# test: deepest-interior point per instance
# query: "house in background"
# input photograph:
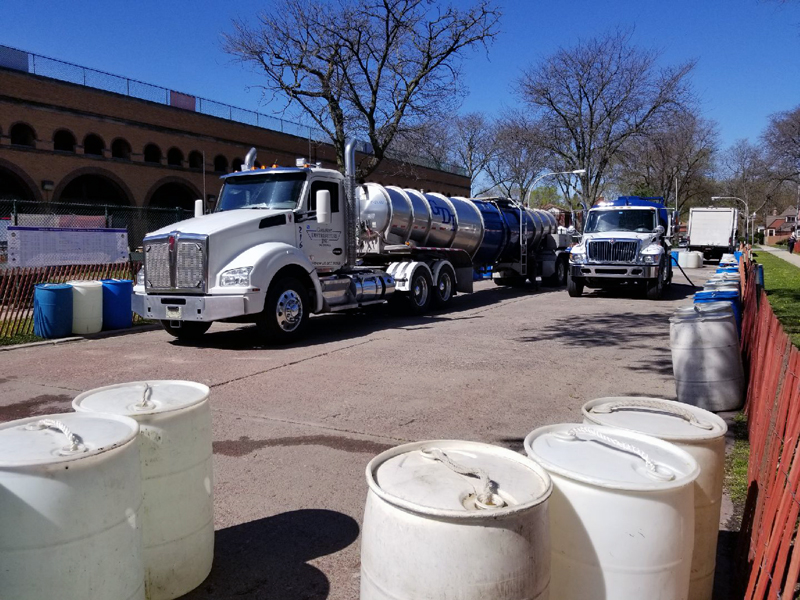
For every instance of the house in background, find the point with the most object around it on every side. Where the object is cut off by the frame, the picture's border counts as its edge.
(780, 226)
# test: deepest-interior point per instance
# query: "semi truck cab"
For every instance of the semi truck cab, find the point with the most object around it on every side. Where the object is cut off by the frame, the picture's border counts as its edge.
(625, 241)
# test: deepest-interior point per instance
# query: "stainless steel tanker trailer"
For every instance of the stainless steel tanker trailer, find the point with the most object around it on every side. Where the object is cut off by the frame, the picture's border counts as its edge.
(287, 242)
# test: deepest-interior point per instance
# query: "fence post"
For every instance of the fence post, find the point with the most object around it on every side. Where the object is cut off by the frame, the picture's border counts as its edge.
(105, 211)
(14, 212)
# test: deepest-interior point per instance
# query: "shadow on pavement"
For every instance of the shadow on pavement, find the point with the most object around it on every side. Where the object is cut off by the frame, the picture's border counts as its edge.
(337, 327)
(267, 559)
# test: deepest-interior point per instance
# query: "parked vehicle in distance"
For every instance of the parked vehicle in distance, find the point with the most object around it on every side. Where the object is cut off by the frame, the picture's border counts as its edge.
(624, 242)
(286, 242)
(713, 230)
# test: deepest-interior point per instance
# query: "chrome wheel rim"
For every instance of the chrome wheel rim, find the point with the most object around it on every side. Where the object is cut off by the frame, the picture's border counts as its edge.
(420, 291)
(289, 310)
(445, 286)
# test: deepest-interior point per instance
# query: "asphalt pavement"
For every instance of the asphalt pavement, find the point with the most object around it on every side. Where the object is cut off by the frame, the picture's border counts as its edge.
(295, 427)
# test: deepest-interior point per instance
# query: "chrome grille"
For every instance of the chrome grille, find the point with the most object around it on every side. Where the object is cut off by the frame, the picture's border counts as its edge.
(156, 265)
(181, 269)
(613, 252)
(189, 265)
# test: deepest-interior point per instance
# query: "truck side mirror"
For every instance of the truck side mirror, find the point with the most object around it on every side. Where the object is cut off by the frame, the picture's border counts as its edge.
(570, 230)
(660, 230)
(323, 207)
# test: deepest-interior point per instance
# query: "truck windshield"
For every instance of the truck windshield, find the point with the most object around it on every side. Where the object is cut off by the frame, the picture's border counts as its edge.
(641, 221)
(270, 190)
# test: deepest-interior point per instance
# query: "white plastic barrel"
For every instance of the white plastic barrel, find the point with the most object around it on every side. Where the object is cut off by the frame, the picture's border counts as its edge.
(695, 260)
(87, 306)
(684, 259)
(621, 513)
(70, 493)
(175, 444)
(706, 359)
(701, 434)
(454, 519)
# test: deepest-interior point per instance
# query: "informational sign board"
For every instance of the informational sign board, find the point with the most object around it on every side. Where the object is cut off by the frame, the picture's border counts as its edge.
(51, 246)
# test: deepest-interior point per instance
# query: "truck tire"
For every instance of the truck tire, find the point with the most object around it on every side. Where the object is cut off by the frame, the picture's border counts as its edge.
(574, 286)
(445, 287)
(559, 278)
(420, 291)
(285, 311)
(188, 331)
(655, 288)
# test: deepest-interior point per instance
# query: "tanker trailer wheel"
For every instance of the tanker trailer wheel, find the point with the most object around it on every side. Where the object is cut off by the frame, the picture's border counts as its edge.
(559, 278)
(420, 291)
(574, 286)
(445, 286)
(285, 311)
(188, 330)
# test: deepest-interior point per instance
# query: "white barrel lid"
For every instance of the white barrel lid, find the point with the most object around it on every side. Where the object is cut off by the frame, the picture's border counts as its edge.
(139, 398)
(60, 438)
(664, 419)
(703, 310)
(611, 458)
(87, 283)
(416, 477)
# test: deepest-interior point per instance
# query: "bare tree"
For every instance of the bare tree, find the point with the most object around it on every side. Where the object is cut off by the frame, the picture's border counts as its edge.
(782, 143)
(595, 97)
(682, 149)
(364, 67)
(518, 156)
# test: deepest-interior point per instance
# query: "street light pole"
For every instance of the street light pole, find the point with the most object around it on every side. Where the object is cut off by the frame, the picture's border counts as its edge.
(746, 210)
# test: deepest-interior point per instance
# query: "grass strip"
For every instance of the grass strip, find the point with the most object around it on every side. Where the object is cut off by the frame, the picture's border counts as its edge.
(736, 465)
(782, 284)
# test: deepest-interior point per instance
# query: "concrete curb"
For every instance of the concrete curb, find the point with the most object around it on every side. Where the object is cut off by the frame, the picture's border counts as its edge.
(83, 338)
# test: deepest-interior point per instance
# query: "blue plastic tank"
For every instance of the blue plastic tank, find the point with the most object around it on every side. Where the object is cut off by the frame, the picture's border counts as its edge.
(674, 255)
(117, 312)
(52, 310)
(727, 296)
(738, 256)
(728, 270)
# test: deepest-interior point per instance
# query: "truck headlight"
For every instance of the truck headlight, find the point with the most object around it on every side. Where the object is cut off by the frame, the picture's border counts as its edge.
(236, 277)
(650, 259)
(140, 276)
(577, 257)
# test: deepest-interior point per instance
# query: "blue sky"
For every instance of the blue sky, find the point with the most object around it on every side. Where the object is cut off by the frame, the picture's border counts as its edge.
(748, 51)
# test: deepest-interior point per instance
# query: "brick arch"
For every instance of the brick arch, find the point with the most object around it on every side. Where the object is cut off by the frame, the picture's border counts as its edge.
(93, 171)
(31, 127)
(58, 130)
(171, 179)
(24, 177)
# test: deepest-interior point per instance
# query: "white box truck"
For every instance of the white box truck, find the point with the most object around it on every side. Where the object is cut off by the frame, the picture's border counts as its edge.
(713, 230)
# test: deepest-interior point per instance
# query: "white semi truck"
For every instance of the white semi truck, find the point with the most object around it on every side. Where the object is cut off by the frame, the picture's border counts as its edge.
(287, 242)
(624, 242)
(712, 230)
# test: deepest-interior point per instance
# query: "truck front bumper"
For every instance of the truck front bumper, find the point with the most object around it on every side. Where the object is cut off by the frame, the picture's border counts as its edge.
(614, 271)
(188, 308)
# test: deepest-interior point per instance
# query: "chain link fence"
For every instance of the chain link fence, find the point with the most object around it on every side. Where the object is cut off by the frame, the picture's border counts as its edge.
(138, 221)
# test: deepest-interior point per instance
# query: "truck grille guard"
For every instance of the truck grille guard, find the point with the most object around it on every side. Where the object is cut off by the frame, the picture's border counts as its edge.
(612, 251)
(176, 263)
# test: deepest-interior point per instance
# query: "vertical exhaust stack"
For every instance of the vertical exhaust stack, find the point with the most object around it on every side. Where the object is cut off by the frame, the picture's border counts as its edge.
(350, 195)
(249, 160)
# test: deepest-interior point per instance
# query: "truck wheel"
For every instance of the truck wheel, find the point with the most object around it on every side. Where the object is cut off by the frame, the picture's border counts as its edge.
(445, 286)
(559, 278)
(574, 286)
(655, 288)
(285, 311)
(420, 291)
(189, 330)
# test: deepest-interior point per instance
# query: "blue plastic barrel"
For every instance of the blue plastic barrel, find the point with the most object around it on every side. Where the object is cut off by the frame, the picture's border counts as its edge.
(674, 255)
(738, 256)
(52, 310)
(728, 296)
(760, 275)
(728, 270)
(117, 312)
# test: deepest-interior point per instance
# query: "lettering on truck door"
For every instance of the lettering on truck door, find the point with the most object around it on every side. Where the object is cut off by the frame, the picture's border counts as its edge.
(323, 244)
